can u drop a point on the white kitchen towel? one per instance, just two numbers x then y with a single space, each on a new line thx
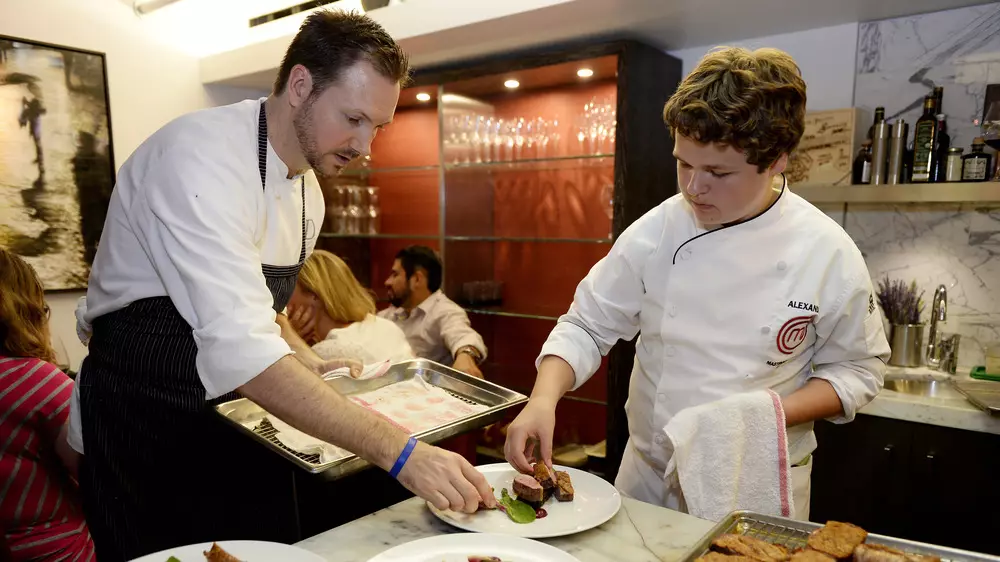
367 372
731 455
305 443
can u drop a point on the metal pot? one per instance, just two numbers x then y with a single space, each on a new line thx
907 344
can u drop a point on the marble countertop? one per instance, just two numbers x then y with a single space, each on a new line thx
948 408
638 533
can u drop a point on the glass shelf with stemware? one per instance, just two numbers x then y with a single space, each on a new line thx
494 139
536 164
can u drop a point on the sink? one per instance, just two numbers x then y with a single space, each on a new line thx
924 387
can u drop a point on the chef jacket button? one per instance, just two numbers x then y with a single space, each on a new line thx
672 311
661 397
659 439
670 351
765 330
782 265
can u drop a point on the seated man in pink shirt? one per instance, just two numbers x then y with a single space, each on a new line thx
436 327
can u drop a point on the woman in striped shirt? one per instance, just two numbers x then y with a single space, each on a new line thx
40 513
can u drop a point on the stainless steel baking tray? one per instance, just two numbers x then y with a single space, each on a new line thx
248 417
984 394
794 534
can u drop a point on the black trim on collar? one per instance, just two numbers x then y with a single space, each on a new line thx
784 184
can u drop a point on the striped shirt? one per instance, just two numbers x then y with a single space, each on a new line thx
39 509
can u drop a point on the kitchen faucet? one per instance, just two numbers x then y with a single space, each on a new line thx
939 313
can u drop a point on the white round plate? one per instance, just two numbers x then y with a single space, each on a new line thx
459 547
595 501
246 551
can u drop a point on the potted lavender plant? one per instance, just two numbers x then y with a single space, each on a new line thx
902 306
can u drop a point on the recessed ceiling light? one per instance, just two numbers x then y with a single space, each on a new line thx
512 84
585 73
423 96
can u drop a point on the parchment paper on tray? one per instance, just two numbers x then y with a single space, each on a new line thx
304 443
413 405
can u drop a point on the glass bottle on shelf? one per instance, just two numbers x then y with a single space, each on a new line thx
953 167
942 144
879 117
976 164
862 169
924 141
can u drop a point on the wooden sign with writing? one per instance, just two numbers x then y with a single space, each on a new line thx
828 147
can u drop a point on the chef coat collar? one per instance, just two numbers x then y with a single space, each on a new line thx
277 167
763 219
765 216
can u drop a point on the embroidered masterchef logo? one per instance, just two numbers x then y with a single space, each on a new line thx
793 333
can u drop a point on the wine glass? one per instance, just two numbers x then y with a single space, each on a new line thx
608 200
991 132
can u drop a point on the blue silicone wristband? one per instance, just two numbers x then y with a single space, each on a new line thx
403 457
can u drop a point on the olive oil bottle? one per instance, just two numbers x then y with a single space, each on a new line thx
924 142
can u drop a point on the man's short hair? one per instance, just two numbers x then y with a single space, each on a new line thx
330 41
753 101
413 257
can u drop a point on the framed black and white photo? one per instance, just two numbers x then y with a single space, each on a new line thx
56 158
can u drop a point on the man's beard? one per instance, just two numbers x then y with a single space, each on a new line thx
302 123
305 133
399 300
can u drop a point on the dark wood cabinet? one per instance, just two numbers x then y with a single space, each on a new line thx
911 480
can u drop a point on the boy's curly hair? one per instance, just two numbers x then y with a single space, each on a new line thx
754 101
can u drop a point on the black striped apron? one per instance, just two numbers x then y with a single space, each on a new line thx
161 469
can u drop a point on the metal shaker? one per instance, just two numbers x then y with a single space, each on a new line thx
880 153
897 149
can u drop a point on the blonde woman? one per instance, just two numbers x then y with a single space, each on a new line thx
334 312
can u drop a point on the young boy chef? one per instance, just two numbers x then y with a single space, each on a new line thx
735 284
205 234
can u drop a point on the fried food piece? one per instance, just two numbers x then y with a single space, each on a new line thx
713 556
879 553
219 555
810 555
761 551
837 539
545 476
564 487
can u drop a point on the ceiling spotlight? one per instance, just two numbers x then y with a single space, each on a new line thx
423 96
512 84
585 73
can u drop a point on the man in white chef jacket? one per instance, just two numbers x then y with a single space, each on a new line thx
735 285
209 223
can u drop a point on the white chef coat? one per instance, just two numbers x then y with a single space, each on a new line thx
767 303
188 219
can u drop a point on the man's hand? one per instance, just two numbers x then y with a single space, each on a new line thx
303 321
446 480
334 364
465 363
